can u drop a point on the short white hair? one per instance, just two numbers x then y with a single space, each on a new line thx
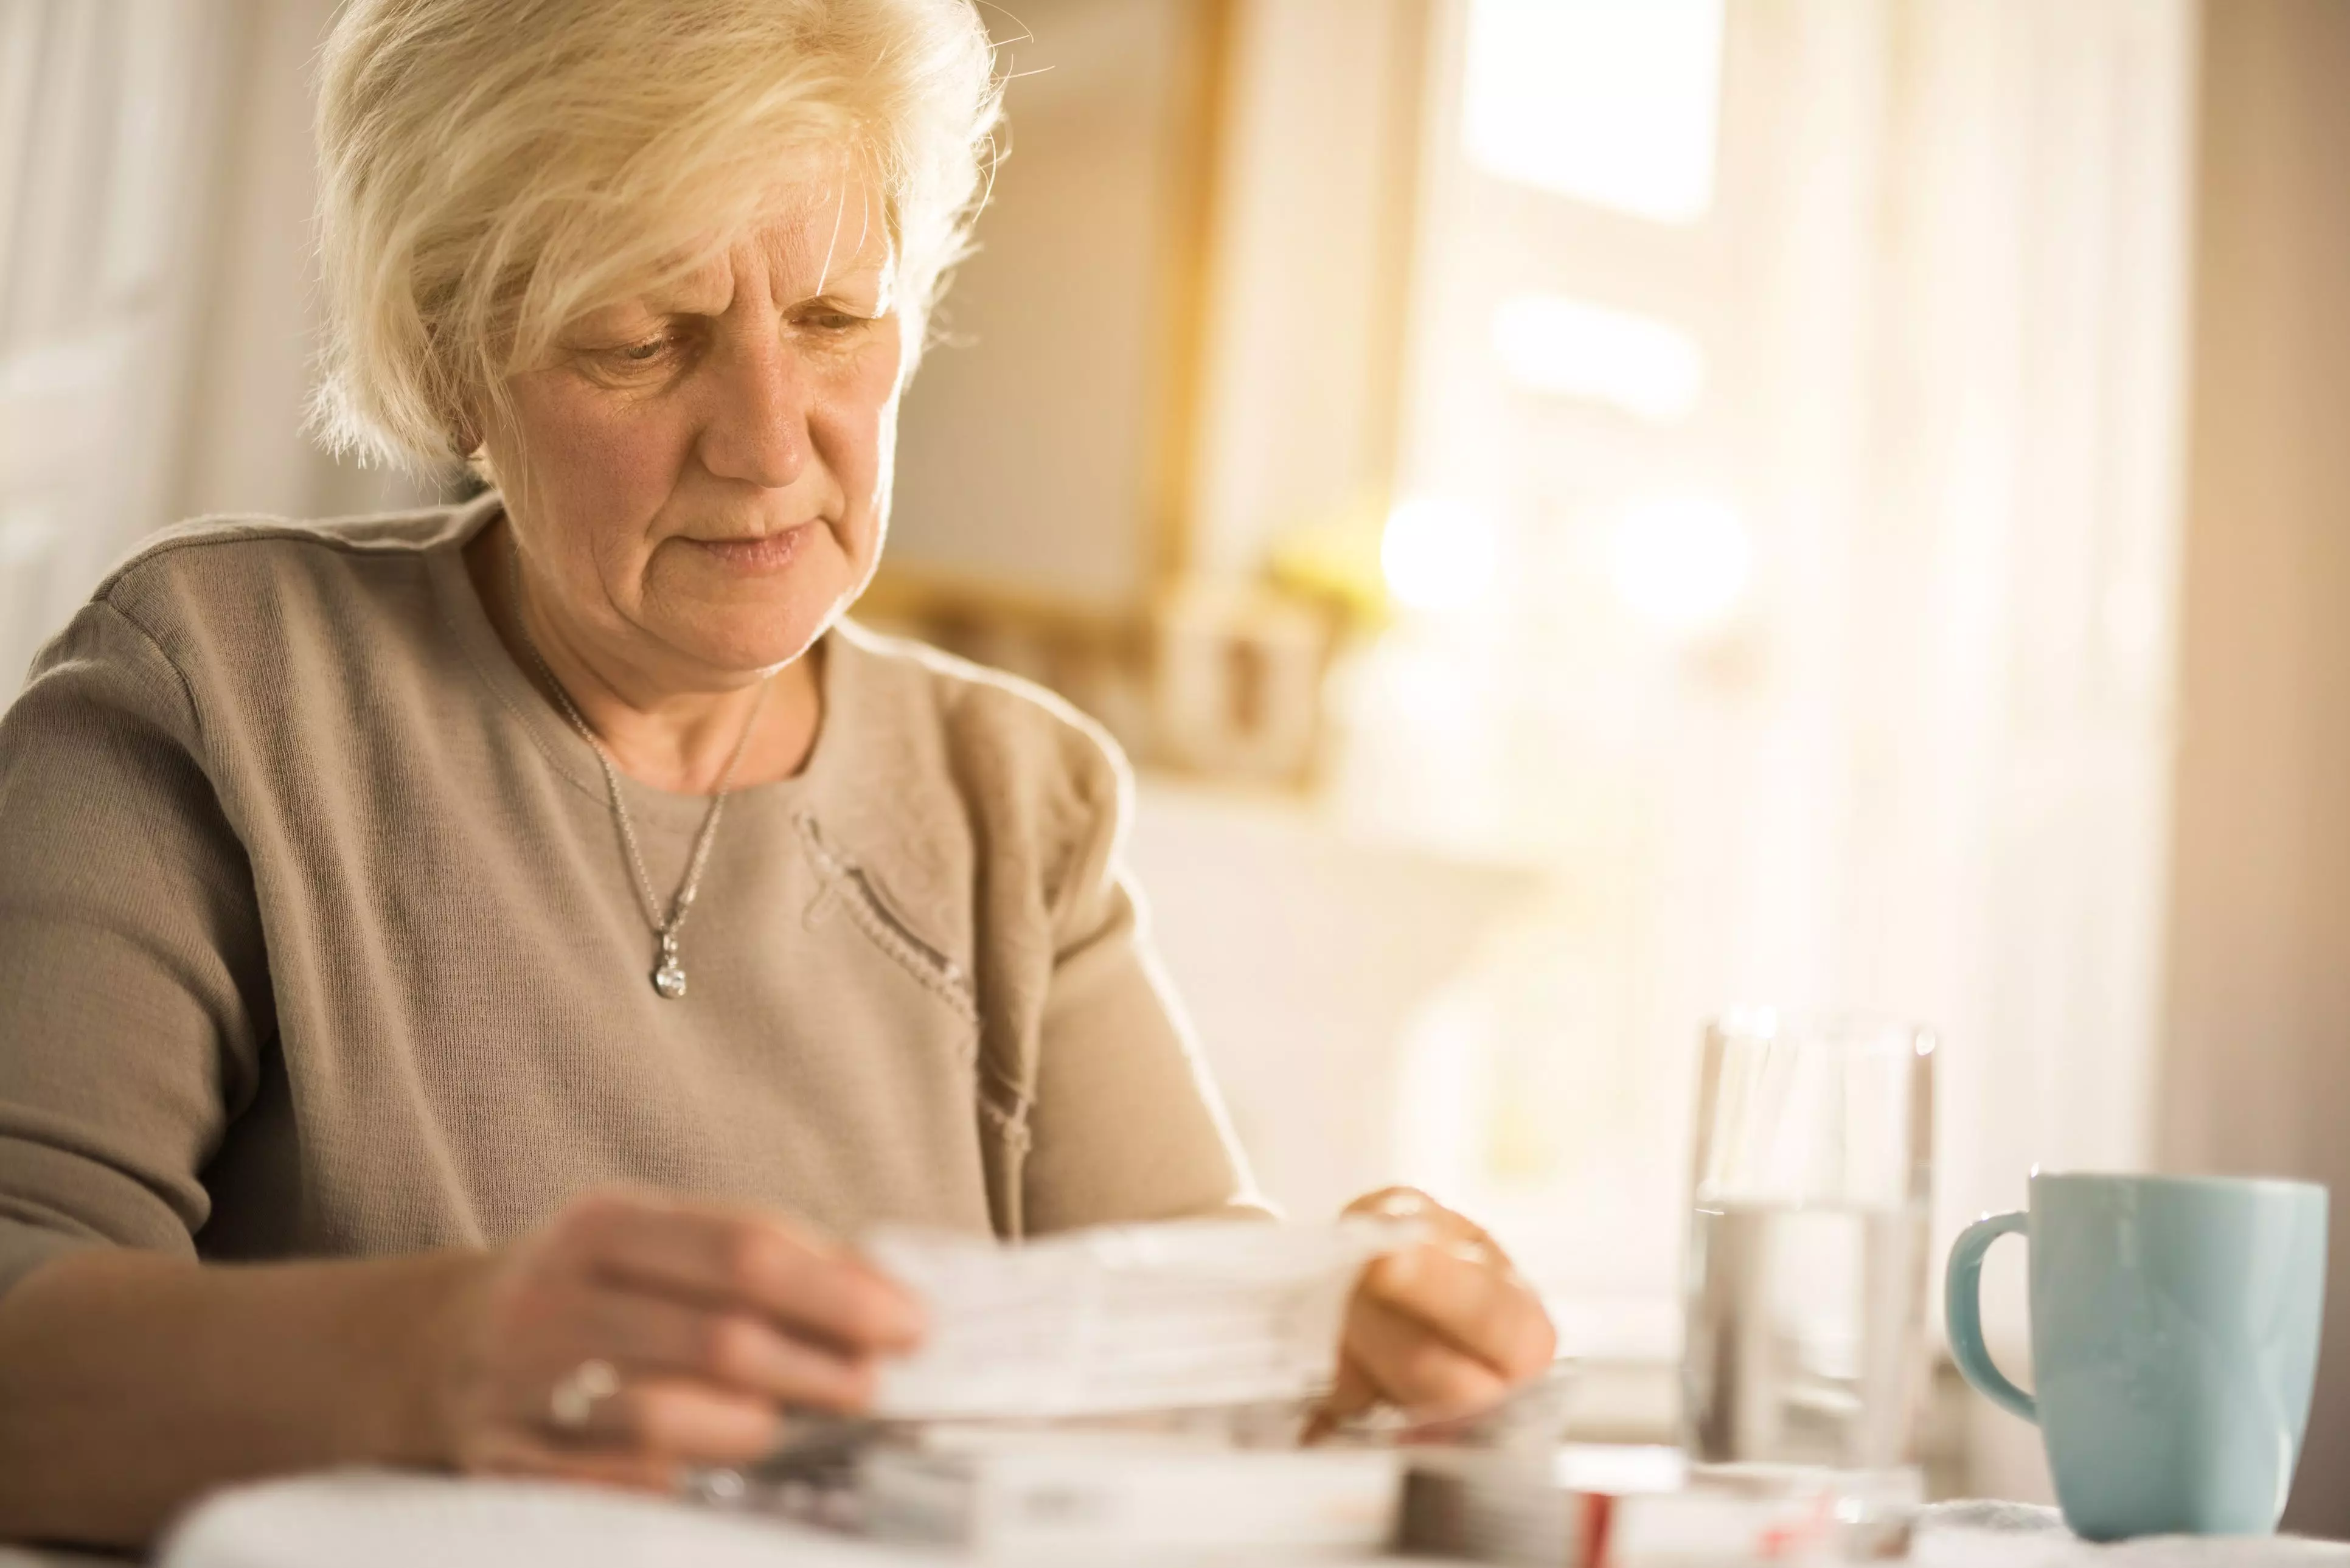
491 170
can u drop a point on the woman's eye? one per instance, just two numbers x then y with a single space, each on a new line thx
643 353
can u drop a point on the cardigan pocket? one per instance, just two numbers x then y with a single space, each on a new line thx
855 888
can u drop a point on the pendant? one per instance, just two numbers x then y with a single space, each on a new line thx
669 975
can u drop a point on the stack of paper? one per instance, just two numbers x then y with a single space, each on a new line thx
1031 1498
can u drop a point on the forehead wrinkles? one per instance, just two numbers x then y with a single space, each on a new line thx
812 241
820 239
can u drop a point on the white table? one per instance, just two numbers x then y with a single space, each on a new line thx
387 1521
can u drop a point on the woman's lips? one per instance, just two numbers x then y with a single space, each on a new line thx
769 553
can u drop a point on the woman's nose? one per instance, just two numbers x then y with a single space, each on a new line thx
758 426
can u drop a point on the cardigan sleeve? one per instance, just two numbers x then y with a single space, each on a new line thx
133 985
1126 1123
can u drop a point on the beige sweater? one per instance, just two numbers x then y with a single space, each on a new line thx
316 938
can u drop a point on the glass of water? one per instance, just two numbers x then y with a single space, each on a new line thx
1806 1267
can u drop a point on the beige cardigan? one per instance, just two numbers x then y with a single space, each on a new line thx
316 937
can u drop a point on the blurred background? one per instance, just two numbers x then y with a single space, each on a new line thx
1584 511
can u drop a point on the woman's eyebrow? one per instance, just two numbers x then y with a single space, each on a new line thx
864 280
685 299
863 284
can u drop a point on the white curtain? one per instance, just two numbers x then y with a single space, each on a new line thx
157 320
105 114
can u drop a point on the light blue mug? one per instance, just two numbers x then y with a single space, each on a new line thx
2174 1340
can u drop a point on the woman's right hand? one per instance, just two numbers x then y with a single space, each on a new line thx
713 1320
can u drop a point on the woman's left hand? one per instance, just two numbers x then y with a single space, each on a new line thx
1443 1328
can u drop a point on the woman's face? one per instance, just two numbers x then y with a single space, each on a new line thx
700 477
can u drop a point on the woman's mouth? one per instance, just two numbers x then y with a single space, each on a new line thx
757 557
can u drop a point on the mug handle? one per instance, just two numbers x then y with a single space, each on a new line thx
1962 1313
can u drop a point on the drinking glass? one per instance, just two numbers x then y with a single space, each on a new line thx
1805 1281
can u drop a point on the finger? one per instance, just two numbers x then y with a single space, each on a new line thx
740 1351
1351 1394
738 1258
676 1420
1395 1203
1411 1365
513 1453
1443 1224
1484 1310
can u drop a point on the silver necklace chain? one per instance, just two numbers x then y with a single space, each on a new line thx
668 973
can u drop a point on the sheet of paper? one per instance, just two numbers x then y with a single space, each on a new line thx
1126 1318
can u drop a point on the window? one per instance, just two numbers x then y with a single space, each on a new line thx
1753 545
1597 100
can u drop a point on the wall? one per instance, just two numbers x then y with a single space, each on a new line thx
2259 997
1033 450
1315 185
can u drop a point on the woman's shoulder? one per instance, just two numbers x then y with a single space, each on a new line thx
256 609
1005 749
212 566
1004 727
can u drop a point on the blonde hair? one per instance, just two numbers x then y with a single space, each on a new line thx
491 169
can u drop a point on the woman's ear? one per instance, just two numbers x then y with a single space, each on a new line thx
465 437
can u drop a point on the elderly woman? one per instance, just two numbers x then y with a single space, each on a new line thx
443 952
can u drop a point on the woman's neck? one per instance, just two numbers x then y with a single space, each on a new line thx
670 736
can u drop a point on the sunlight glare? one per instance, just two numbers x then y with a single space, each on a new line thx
1605 101
1438 555
1567 348
1682 563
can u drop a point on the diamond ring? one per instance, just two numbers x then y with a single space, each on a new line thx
575 1399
